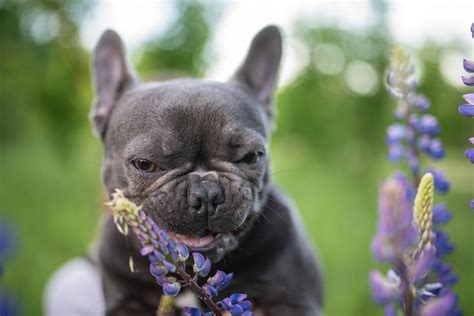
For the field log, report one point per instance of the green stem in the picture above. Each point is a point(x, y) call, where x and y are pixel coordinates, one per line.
point(408, 299)
point(409, 303)
point(199, 291)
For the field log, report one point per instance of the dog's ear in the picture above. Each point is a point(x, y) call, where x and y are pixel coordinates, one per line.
point(112, 75)
point(259, 71)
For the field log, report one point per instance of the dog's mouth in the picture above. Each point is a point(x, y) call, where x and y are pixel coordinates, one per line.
point(213, 244)
point(204, 241)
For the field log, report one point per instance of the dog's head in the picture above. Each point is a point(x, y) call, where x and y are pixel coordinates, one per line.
point(193, 153)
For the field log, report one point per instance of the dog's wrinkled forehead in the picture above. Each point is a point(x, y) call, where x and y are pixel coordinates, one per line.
point(183, 116)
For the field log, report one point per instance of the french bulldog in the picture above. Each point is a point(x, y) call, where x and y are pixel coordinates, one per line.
point(195, 155)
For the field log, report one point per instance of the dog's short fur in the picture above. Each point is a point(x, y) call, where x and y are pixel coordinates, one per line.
point(209, 143)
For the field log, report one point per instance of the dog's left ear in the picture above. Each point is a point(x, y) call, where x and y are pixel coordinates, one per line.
point(112, 76)
point(259, 71)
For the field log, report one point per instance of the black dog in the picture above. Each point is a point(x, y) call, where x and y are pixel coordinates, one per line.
point(195, 154)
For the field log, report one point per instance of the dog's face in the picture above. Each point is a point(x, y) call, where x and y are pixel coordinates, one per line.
point(193, 153)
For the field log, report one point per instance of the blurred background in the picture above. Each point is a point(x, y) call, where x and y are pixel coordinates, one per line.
point(328, 149)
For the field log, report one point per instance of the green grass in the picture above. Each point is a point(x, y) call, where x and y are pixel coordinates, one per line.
point(55, 202)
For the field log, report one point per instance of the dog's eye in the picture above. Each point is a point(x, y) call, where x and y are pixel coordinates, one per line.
point(144, 165)
point(252, 157)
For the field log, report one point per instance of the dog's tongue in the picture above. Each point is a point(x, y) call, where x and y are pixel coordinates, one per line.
point(193, 241)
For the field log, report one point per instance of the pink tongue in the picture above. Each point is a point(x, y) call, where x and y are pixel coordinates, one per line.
point(195, 242)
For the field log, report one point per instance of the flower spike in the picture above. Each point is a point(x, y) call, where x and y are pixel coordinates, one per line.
point(409, 234)
point(168, 259)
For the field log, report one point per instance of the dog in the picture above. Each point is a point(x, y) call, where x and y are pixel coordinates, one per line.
point(195, 155)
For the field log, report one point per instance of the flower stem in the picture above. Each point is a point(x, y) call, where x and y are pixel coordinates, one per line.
point(408, 301)
point(409, 304)
point(405, 288)
point(199, 291)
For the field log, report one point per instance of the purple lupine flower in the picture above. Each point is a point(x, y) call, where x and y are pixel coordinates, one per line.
point(7, 243)
point(171, 288)
point(445, 273)
point(419, 101)
point(467, 110)
point(441, 214)
point(469, 153)
point(396, 133)
point(390, 310)
point(405, 239)
point(220, 280)
point(395, 231)
point(409, 233)
point(430, 290)
point(442, 244)
point(396, 152)
point(441, 183)
point(468, 80)
point(415, 131)
point(436, 149)
point(9, 305)
point(194, 311)
point(427, 124)
point(237, 305)
point(421, 265)
point(442, 305)
point(385, 289)
point(168, 260)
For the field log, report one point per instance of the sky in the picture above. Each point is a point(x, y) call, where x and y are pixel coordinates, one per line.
point(410, 22)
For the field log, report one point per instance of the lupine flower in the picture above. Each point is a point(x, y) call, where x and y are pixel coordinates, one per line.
point(9, 305)
point(168, 257)
point(441, 214)
point(441, 183)
point(237, 305)
point(6, 244)
point(385, 289)
point(423, 214)
point(409, 233)
point(194, 311)
point(395, 231)
point(414, 257)
point(442, 305)
point(467, 109)
point(415, 130)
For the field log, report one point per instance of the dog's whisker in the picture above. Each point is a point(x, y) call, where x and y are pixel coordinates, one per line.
point(264, 217)
point(273, 173)
point(277, 214)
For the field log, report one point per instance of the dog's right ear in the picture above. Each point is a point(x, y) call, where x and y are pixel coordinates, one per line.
point(112, 75)
point(259, 71)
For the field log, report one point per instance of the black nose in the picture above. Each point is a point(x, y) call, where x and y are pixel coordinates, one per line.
point(205, 194)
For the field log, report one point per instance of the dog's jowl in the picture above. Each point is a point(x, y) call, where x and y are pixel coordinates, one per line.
point(195, 155)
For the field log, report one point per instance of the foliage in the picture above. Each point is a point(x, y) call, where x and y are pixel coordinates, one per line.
point(44, 71)
point(182, 49)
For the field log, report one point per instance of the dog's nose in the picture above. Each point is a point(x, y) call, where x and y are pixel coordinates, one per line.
point(204, 195)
